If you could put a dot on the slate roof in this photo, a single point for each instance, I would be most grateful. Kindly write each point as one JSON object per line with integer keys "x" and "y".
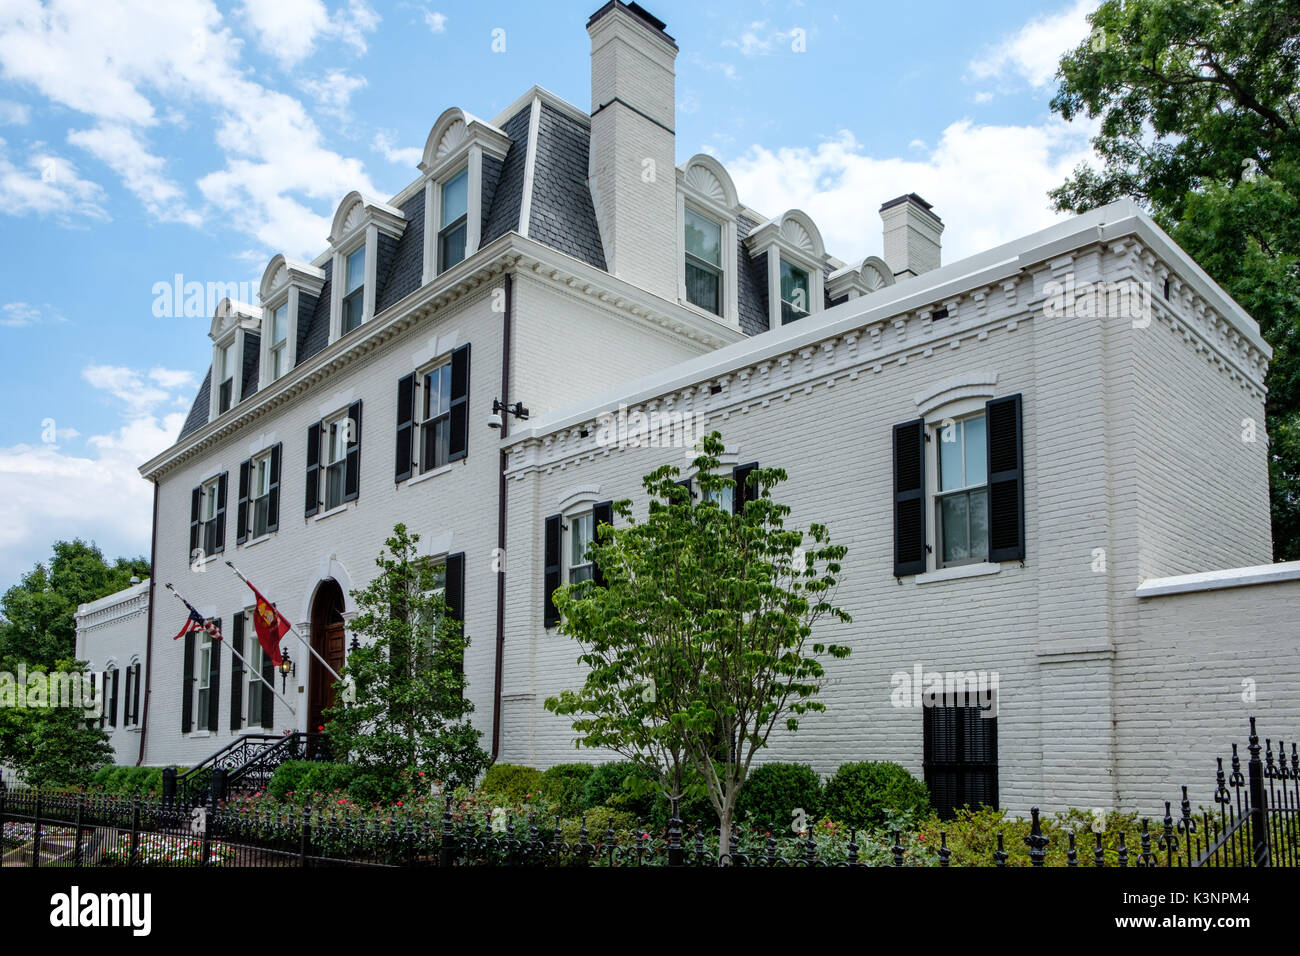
{"x": 504, "y": 214}
{"x": 751, "y": 294}
{"x": 563, "y": 216}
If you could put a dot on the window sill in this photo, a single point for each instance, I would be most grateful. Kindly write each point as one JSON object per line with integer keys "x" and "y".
{"x": 332, "y": 512}
{"x": 258, "y": 540}
{"x": 426, "y": 475}
{"x": 199, "y": 734}
{"x": 958, "y": 572}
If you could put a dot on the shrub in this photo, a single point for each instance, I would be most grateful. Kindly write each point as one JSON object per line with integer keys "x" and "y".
{"x": 773, "y": 791}
{"x": 327, "y": 777}
{"x": 626, "y": 786}
{"x": 100, "y": 777}
{"x": 376, "y": 786}
{"x": 866, "y": 794}
{"x": 287, "y": 778}
{"x": 605, "y": 780}
{"x": 512, "y": 781}
{"x": 564, "y": 785}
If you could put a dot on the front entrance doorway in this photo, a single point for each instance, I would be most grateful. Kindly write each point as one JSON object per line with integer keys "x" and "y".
{"x": 327, "y": 639}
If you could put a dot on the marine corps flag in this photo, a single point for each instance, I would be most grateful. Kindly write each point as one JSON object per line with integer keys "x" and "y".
{"x": 270, "y": 625}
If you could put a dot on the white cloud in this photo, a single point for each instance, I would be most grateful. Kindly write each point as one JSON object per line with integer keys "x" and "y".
{"x": 982, "y": 97}
{"x": 404, "y": 155}
{"x": 289, "y": 29}
{"x": 437, "y": 22}
{"x": 1033, "y": 52}
{"x": 333, "y": 91}
{"x": 49, "y": 185}
{"x": 19, "y": 315}
{"x": 278, "y": 175}
{"x": 988, "y": 183}
{"x": 173, "y": 377}
{"x": 14, "y": 114}
{"x": 47, "y": 493}
{"x": 120, "y": 148}
{"x": 760, "y": 38}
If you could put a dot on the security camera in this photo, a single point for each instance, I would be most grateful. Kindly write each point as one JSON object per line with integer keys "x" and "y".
{"x": 494, "y": 421}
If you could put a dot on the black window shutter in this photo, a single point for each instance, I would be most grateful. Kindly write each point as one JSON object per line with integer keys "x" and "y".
{"x": 268, "y": 698}
{"x": 909, "y": 498}
{"x": 237, "y": 672}
{"x": 551, "y": 570}
{"x": 126, "y": 698}
{"x": 313, "y": 469}
{"x": 187, "y": 685}
{"x": 686, "y": 483}
{"x": 455, "y": 586}
{"x": 458, "y": 440}
{"x": 241, "y": 520}
{"x": 196, "y": 502}
{"x": 103, "y": 695}
{"x": 352, "y": 478}
{"x": 135, "y": 696}
{"x": 601, "y": 513}
{"x": 743, "y": 493}
{"x": 112, "y": 699}
{"x": 1006, "y": 479}
{"x": 273, "y": 493}
{"x": 405, "y": 426}
{"x": 214, "y": 682}
{"x": 222, "y": 483}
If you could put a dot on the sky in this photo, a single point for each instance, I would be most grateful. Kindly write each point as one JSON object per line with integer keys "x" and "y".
{"x": 142, "y": 141}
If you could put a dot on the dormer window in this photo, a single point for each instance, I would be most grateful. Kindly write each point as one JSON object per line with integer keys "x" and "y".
{"x": 354, "y": 288}
{"x": 453, "y": 221}
{"x": 703, "y": 262}
{"x": 226, "y": 377}
{"x": 795, "y": 294}
{"x": 278, "y": 348}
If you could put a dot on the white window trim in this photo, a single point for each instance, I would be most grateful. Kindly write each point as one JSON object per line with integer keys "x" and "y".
{"x": 955, "y": 410}
{"x": 339, "y": 278}
{"x": 235, "y": 339}
{"x": 374, "y": 218}
{"x": 229, "y": 325}
{"x": 286, "y": 282}
{"x": 325, "y": 463}
{"x": 288, "y": 298}
{"x": 816, "y": 283}
{"x": 575, "y": 504}
{"x": 697, "y": 203}
{"x": 417, "y": 445}
{"x": 254, "y": 538}
{"x": 252, "y": 678}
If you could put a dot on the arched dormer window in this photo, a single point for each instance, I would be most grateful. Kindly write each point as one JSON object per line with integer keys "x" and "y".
{"x": 360, "y": 226}
{"x": 706, "y": 238}
{"x": 863, "y": 278}
{"x": 795, "y": 254}
{"x": 455, "y": 153}
{"x": 232, "y": 325}
{"x": 289, "y": 289}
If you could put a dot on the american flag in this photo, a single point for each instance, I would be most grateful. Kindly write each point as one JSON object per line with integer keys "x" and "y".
{"x": 197, "y": 622}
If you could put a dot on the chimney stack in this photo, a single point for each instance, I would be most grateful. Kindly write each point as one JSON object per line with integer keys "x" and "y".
{"x": 912, "y": 234}
{"x": 631, "y": 168}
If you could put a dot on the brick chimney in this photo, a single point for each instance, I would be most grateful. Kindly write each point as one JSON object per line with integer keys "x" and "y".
{"x": 631, "y": 168}
{"x": 912, "y": 234}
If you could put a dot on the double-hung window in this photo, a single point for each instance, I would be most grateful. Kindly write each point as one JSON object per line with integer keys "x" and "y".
{"x": 279, "y": 348}
{"x": 206, "y": 651}
{"x": 581, "y": 531}
{"x": 453, "y": 222}
{"x": 336, "y": 454}
{"x": 211, "y": 506}
{"x": 354, "y": 288}
{"x": 435, "y": 422}
{"x": 253, "y": 673}
{"x": 796, "y": 297}
{"x": 703, "y": 243}
{"x": 261, "y": 494}
{"x": 961, "y": 505}
{"x": 226, "y": 376}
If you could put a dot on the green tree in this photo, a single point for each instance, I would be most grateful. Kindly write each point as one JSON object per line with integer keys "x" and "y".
{"x": 409, "y": 711}
{"x": 38, "y": 624}
{"x": 1199, "y": 109}
{"x": 698, "y": 641}
{"x": 49, "y": 745}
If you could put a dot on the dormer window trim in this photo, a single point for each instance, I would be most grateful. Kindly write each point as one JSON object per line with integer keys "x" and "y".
{"x": 457, "y": 144}
{"x": 705, "y": 188}
{"x": 285, "y": 282}
{"x": 358, "y": 223}
{"x": 793, "y": 238}
{"x": 230, "y": 323}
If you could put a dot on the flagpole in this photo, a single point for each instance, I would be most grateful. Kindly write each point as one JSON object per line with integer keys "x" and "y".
{"x": 292, "y": 630}
{"x": 248, "y": 667}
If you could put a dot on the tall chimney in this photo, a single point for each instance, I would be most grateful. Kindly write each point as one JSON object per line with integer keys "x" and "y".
{"x": 912, "y": 234}
{"x": 631, "y": 167}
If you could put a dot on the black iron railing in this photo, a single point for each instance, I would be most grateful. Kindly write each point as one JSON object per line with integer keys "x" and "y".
{"x": 247, "y": 762}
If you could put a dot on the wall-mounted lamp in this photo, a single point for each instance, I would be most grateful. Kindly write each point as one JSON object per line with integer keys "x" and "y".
{"x": 287, "y": 668}
{"x": 517, "y": 410}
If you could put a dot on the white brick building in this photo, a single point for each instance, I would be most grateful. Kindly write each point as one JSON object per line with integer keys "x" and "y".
{"x": 1097, "y": 386}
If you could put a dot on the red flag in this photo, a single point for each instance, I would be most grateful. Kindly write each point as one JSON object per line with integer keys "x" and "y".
{"x": 270, "y": 625}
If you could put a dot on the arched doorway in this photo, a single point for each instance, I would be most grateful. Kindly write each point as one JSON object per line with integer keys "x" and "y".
{"x": 327, "y": 639}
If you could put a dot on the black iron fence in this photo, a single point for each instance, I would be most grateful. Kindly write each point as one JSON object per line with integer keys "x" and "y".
{"x": 1255, "y": 821}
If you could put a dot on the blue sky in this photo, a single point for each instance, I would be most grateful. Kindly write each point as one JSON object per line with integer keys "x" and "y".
{"x": 139, "y": 140}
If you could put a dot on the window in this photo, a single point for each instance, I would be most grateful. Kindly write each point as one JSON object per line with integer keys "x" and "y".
{"x": 796, "y": 299}
{"x": 205, "y": 662}
{"x": 581, "y": 532}
{"x": 961, "y": 756}
{"x": 703, "y": 262}
{"x": 336, "y": 454}
{"x": 723, "y": 497}
{"x": 253, "y": 673}
{"x": 114, "y": 677}
{"x": 279, "y": 348}
{"x": 261, "y": 494}
{"x": 961, "y": 505}
{"x": 435, "y": 422}
{"x": 354, "y": 281}
{"x": 211, "y": 503}
{"x": 226, "y": 376}
{"x": 453, "y": 224}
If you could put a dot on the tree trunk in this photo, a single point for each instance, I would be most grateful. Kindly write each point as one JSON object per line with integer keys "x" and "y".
{"x": 724, "y": 829}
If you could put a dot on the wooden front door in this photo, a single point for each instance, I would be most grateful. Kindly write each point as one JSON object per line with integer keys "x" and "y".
{"x": 328, "y": 640}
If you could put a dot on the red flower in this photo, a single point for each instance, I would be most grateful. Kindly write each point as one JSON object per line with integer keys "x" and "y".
{"x": 321, "y": 727}
{"x": 399, "y": 803}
